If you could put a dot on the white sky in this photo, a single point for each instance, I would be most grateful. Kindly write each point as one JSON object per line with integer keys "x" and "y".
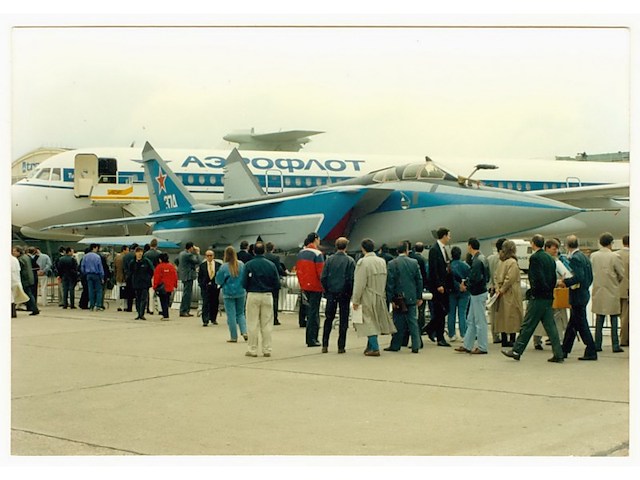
{"x": 487, "y": 92}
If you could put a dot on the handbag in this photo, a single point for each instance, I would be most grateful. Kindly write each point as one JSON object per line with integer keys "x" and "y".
{"x": 160, "y": 290}
{"x": 560, "y": 298}
{"x": 399, "y": 303}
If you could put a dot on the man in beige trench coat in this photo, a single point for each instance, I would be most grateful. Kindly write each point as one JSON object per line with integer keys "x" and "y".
{"x": 369, "y": 285}
{"x": 608, "y": 272}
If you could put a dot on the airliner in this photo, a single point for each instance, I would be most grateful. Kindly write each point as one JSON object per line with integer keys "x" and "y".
{"x": 103, "y": 183}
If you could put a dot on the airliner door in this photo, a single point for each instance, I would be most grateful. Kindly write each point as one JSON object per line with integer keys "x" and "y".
{"x": 85, "y": 174}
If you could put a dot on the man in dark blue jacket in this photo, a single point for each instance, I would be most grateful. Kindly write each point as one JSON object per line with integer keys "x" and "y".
{"x": 579, "y": 296}
{"x": 337, "y": 283}
{"x": 404, "y": 291}
{"x": 542, "y": 280}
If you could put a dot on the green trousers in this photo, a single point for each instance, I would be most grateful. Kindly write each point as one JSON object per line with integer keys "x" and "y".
{"x": 538, "y": 310}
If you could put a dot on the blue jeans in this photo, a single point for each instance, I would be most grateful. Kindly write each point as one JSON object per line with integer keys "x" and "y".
{"x": 372, "y": 343}
{"x": 234, "y": 306}
{"x": 403, "y": 322}
{"x": 68, "y": 292}
{"x": 477, "y": 323}
{"x": 94, "y": 284}
{"x": 615, "y": 341}
{"x": 460, "y": 303}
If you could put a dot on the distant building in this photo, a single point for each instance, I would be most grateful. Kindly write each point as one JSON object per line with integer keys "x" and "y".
{"x": 598, "y": 157}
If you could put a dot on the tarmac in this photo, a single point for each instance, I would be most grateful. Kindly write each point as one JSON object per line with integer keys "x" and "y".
{"x": 103, "y": 384}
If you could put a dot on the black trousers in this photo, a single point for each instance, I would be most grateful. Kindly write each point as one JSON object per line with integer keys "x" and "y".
{"x": 164, "y": 303}
{"x": 210, "y": 303}
{"x": 335, "y": 301}
{"x": 313, "y": 316}
{"x": 578, "y": 324}
{"x": 142, "y": 300}
{"x": 439, "y": 314}
{"x": 275, "y": 294}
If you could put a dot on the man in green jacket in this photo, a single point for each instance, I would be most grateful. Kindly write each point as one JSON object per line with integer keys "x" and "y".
{"x": 542, "y": 281}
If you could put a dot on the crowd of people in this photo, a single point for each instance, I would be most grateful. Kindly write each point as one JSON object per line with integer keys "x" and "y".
{"x": 382, "y": 294}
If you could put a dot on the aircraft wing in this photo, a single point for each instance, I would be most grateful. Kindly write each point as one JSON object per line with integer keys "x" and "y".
{"x": 128, "y": 240}
{"x": 591, "y": 197}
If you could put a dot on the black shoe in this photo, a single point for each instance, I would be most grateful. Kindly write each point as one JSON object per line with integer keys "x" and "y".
{"x": 510, "y": 354}
{"x": 303, "y": 325}
{"x": 415, "y": 351}
{"x": 389, "y": 349}
{"x": 142, "y": 318}
{"x": 72, "y": 307}
{"x": 37, "y": 312}
{"x": 565, "y": 355}
{"x": 205, "y": 324}
{"x": 65, "y": 307}
{"x": 342, "y": 350}
{"x": 119, "y": 309}
{"x": 432, "y": 336}
{"x": 539, "y": 347}
{"x": 277, "y": 323}
{"x": 314, "y": 344}
{"x": 443, "y": 343}
{"x": 215, "y": 322}
{"x": 598, "y": 349}
{"x": 588, "y": 358}
{"x": 618, "y": 350}
{"x": 137, "y": 318}
{"x": 555, "y": 360}
{"x": 325, "y": 349}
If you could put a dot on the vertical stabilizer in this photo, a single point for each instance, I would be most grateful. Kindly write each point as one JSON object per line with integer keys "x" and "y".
{"x": 239, "y": 182}
{"x": 166, "y": 192}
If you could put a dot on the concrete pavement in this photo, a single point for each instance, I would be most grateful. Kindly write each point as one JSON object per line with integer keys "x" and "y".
{"x": 101, "y": 383}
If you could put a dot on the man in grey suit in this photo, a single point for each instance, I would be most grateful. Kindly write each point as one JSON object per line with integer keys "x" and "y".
{"x": 188, "y": 260}
{"x": 404, "y": 291}
{"x": 624, "y": 293}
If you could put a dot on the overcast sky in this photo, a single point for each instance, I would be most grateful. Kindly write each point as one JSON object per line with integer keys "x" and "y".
{"x": 488, "y": 92}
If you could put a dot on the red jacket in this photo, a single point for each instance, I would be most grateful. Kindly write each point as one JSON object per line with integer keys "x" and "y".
{"x": 165, "y": 273}
{"x": 309, "y": 268}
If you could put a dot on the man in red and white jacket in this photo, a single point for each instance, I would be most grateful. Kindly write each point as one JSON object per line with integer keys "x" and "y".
{"x": 309, "y": 269}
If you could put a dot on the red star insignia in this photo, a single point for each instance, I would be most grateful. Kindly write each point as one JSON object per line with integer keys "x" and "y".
{"x": 161, "y": 179}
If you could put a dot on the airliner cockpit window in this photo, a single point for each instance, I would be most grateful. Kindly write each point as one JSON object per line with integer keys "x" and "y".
{"x": 55, "y": 175}
{"x": 386, "y": 175}
{"x": 44, "y": 174}
{"x": 432, "y": 171}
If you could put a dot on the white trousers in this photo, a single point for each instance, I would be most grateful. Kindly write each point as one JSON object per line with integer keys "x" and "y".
{"x": 259, "y": 320}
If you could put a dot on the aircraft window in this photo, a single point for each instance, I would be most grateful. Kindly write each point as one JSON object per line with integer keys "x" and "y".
{"x": 510, "y": 185}
{"x": 201, "y": 180}
{"x": 190, "y": 179}
{"x": 431, "y": 171}
{"x": 388, "y": 175}
{"x": 319, "y": 181}
{"x": 43, "y": 174}
{"x": 212, "y": 179}
{"x": 519, "y": 186}
{"x": 411, "y": 171}
{"x": 527, "y": 186}
{"x": 55, "y": 175}
{"x": 298, "y": 182}
{"x": 501, "y": 184}
{"x": 545, "y": 186}
{"x": 287, "y": 181}
{"x": 307, "y": 182}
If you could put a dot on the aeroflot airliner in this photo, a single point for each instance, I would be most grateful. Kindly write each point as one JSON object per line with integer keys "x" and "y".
{"x": 102, "y": 183}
